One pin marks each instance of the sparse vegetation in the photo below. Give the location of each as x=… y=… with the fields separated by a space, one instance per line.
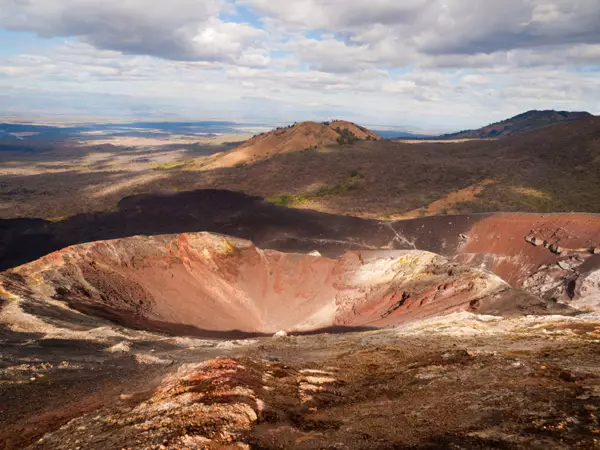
x=288 y=200
x=556 y=169
x=57 y=219
x=528 y=121
x=346 y=136
x=324 y=191
x=282 y=200
x=172 y=165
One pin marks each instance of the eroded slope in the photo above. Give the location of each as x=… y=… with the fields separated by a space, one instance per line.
x=200 y=284
x=295 y=138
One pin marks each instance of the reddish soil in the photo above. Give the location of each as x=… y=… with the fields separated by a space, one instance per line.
x=495 y=240
x=499 y=242
x=302 y=136
x=202 y=284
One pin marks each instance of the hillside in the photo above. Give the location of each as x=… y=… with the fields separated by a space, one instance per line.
x=554 y=169
x=528 y=121
x=297 y=137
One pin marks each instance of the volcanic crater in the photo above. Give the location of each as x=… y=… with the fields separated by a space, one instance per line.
x=212 y=285
x=146 y=331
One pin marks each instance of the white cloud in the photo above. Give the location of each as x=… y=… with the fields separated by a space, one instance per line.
x=188 y=30
x=448 y=25
x=475 y=80
x=455 y=32
x=340 y=14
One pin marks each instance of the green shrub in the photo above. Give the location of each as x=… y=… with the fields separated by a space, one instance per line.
x=345 y=136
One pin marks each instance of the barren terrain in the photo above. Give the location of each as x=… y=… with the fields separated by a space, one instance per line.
x=142 y=305
x=471 y=362
x=459 y=381
x=522 y=123
x=552 y=170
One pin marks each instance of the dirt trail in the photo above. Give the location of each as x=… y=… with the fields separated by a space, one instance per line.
x=447 y=204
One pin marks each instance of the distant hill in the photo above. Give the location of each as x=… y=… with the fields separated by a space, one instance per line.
x=391 y=134
x=297 y=137
x=552 y=169
x=531 y=120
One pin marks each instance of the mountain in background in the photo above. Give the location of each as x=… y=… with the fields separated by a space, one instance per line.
x=531 y=120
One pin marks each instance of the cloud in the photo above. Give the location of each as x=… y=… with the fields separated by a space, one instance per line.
x=471 y=26
x=187 y=30
x=330 y=55
x=458 y=62
x=350 y=34
x=450 y=26
x=340 y=14
x=455 y=32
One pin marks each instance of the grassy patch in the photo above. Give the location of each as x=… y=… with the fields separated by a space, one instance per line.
x=57 y=219
x=346 y=136
x=346 y=186
x=282 y=200
x=289 y=200
x=172 y=165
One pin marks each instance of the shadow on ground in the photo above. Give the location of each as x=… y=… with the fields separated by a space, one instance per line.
x=267 y=225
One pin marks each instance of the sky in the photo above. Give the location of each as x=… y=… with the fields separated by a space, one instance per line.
x=436 y=65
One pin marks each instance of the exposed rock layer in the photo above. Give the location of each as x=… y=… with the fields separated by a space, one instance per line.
x=205 y=284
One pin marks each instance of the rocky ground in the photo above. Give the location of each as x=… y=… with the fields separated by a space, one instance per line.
x=463 y=381
x=513 y=376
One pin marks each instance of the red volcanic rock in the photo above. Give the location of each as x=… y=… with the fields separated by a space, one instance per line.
x=206 y=284
x=537 y=242
x=497 y=241
x=554 y=248
x=208 y=405
x=560 y=270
